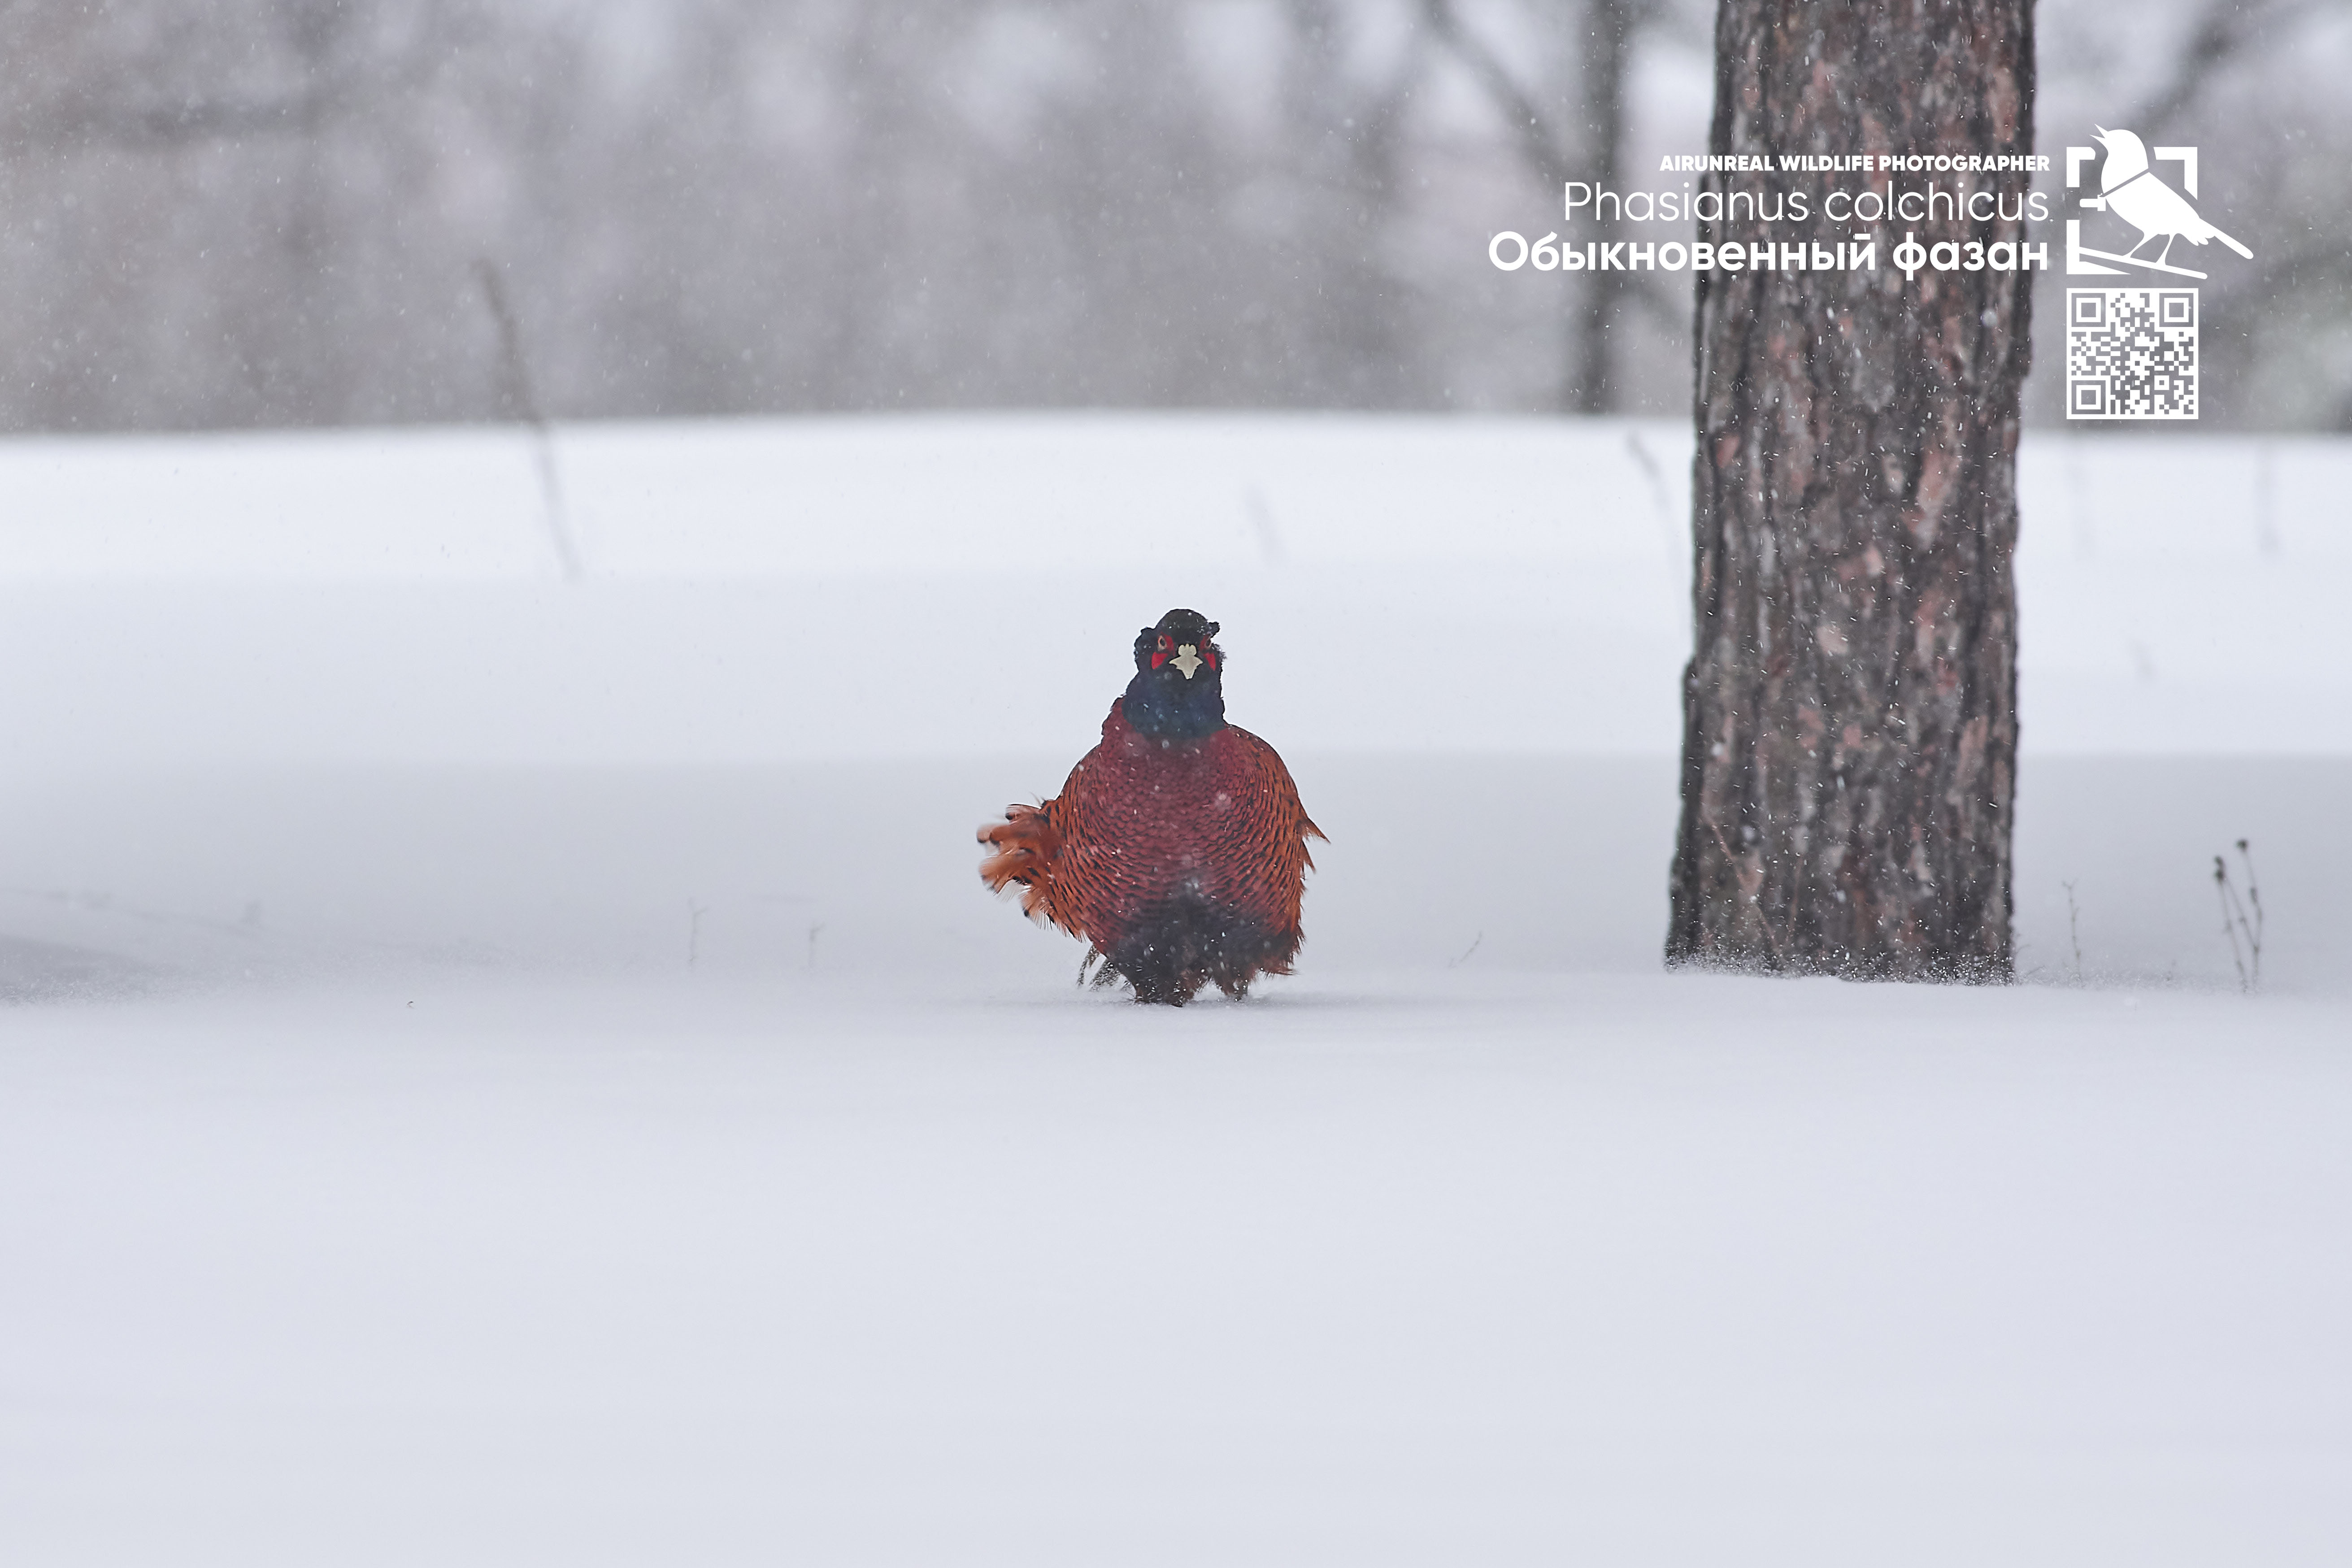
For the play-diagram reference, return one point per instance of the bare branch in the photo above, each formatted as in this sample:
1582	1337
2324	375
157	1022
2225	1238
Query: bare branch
164	125
1536	139
151	127
2227	29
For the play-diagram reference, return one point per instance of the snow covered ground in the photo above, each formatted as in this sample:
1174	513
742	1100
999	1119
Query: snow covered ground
1427	1268
499	1070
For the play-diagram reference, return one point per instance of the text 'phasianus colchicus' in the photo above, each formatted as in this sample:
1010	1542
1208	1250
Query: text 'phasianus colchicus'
1178	848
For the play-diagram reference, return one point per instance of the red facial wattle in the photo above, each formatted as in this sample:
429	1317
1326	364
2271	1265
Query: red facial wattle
1188	658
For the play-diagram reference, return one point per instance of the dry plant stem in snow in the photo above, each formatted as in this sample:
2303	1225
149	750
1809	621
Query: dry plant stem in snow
2073	933
2245	933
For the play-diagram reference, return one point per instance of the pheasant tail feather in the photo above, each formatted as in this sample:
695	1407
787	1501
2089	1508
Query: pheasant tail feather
1024	847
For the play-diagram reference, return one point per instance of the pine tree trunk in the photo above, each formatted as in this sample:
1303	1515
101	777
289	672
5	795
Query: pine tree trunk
1849	710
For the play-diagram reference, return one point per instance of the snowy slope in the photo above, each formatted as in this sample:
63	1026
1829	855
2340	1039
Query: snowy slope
283	692
775	591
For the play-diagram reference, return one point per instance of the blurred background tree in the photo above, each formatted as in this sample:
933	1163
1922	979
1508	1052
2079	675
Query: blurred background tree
277	212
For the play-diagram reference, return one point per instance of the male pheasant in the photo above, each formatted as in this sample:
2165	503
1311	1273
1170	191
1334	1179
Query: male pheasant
1178	848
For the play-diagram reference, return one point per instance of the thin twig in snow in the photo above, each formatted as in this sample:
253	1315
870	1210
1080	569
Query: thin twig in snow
2232	916
526	402
2254	897
2073	933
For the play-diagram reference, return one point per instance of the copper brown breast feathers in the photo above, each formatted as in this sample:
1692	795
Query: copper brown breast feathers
1177	849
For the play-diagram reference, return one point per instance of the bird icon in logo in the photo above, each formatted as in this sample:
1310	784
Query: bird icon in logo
2133	192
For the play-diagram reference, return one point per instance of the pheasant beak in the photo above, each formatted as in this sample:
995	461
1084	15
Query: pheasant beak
1188	660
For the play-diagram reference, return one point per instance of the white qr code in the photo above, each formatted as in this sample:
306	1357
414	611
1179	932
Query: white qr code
2131	353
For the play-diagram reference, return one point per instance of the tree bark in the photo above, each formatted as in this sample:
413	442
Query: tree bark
1850	713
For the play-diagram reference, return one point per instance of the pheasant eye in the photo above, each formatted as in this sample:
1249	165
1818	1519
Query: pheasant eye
1164	642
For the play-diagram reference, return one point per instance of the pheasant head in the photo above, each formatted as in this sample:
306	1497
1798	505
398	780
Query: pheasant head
1177	692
